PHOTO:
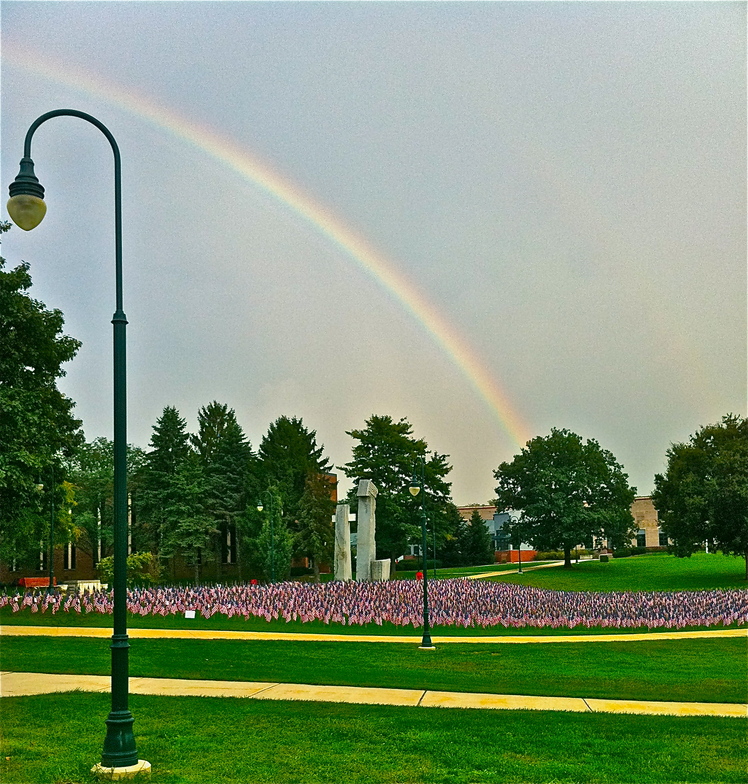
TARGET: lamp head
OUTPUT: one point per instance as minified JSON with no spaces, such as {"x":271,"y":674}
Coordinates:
{"x":415,"y":486}
{"x":26,"y":205}
{"x":259,"y":506}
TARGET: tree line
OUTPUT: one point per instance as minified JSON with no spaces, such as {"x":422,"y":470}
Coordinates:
{"x":195,"y":496}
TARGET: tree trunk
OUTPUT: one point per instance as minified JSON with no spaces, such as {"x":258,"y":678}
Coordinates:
{"x":567,"y":557}
{"x":315,"y":566}
{"x":197,"y":571}
{"x":746,"y":564}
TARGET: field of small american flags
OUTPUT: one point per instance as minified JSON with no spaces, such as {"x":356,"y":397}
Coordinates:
{"x":458,"y":603}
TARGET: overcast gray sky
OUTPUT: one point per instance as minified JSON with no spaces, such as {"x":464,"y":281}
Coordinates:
{"x":490,"y":218}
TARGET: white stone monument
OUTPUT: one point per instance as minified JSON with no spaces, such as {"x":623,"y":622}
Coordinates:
{"x":366,"y":549}
{"x":380,"y":570}
{"x":342,"y":569}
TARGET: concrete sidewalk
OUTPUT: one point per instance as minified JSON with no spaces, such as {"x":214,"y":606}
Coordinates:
{"x":207,"y":634}
{"x":18,"y":684}
{"x":525,"y":568}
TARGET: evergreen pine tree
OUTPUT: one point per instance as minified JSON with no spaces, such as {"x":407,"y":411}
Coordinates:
{"x":287,"y":454}
{"x":478,"y":546}
{"x":387,"y":453}
{"x":274,"y":544}
{"x":227,"y":461}
{"x":169,"y":449}
{"x":316,"y":537}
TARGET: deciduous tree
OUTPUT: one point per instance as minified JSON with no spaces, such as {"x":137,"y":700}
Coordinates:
{"x":37,"y":426}
{"x":566,"y":491}
{"x":703,"y":495}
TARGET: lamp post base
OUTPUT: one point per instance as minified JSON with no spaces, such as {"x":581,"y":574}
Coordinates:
{"x":142,"y":768}
{"x":426,"y":648}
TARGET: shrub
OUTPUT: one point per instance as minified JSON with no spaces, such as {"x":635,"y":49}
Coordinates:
{"x":550,"y":555}
{"x":622,"y":552}
{"x":143,"y":570}
{"x":416,"y":565}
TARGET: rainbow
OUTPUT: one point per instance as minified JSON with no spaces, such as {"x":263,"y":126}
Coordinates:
{"x":321,"y":220}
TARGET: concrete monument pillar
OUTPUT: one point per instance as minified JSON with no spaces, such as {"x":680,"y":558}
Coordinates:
{"x":380,"y":570}
{"x":366,"y":549}
{"x":342,"y":569}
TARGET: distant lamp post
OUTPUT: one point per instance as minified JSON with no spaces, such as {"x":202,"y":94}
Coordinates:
{"x":433,"y":531}
{"x":50,"y":587}
{"x":270,"y":497}
{"x":516,"y":525}
{"x":416,"y":484}
{"x":27,"y":209}
{"x":51,"y":538}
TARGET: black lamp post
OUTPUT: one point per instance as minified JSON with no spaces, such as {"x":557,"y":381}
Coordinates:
{"x":518,"y":534}
{"x":433,"y":530}
{"x":271,"y":512}
{"x":27,"y":209}
{"x":415,"y":488}
{"x":50,"y":587}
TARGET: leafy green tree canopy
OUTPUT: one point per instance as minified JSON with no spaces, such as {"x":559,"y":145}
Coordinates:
{"x":567,"y":491}
{"x":91,"y":475}
{"x":37,"y":426}
{"x":703,"y":495}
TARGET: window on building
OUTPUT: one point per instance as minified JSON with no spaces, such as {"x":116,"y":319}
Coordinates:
{"x":641,"y":538}
{"x":502,"y":541}
{"x":663,"y":538}
{"x":70,"y":557}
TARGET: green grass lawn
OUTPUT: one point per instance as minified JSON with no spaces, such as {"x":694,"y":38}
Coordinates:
{"x":464,"y":571}
{"x":660,"y":572}
{"x":55,"y":739}
{"x":709,"y":670}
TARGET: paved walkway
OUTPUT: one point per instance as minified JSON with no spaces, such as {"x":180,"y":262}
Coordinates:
{"x":207,"y":634}
{"x":525,"y":568}
{"x":18,"y":684}
{"x":22,"y":684}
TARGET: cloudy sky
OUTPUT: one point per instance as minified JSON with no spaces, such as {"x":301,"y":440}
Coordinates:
{"x":490,"y":218}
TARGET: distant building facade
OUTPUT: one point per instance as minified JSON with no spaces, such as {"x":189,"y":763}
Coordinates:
{"x":648,"y":533}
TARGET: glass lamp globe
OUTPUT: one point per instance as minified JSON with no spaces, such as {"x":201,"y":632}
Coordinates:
{"x":26,"y":211}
